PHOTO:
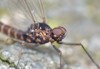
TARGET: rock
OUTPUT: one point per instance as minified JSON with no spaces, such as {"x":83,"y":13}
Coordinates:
{"x":17,"y":57}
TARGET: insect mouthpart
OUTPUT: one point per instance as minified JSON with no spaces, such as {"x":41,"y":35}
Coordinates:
{"x":58,"y":33}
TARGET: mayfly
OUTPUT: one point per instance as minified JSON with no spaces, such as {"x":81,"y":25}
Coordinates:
{"x":38,"y":32}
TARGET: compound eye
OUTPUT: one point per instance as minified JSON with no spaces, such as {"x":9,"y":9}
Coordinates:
{"x":57,"y":32}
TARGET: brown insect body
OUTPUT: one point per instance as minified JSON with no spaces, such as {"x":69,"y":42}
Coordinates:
{"x":10,"y":31}
{"x":41,"y":34}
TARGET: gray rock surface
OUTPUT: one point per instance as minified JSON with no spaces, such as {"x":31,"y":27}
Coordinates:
{"x":17,"y":57}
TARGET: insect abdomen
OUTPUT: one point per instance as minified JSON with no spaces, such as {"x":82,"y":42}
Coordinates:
{"x":10,"y":31}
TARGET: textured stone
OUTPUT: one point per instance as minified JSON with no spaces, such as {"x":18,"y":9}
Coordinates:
{"x":17,"y":57}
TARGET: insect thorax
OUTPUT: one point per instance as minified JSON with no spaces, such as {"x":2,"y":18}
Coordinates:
{"x":38,"y":33}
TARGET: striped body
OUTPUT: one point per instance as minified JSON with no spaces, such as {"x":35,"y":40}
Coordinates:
{"x":39,"y":33}
{"x":32,"y":35}
{"x":10,"y":31}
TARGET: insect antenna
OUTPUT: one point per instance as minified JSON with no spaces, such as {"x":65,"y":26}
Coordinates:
{"x":80,"y":44}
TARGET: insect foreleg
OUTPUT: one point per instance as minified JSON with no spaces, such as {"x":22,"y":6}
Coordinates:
{"x":60,"y":54}
{"x":79,"y":44}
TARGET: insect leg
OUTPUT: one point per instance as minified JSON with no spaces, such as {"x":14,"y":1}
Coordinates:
{"x":79,"y":44}
{"x":60,"y":54}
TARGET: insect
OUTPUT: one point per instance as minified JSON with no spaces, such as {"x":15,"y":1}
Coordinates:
{"x":39,"y":32}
